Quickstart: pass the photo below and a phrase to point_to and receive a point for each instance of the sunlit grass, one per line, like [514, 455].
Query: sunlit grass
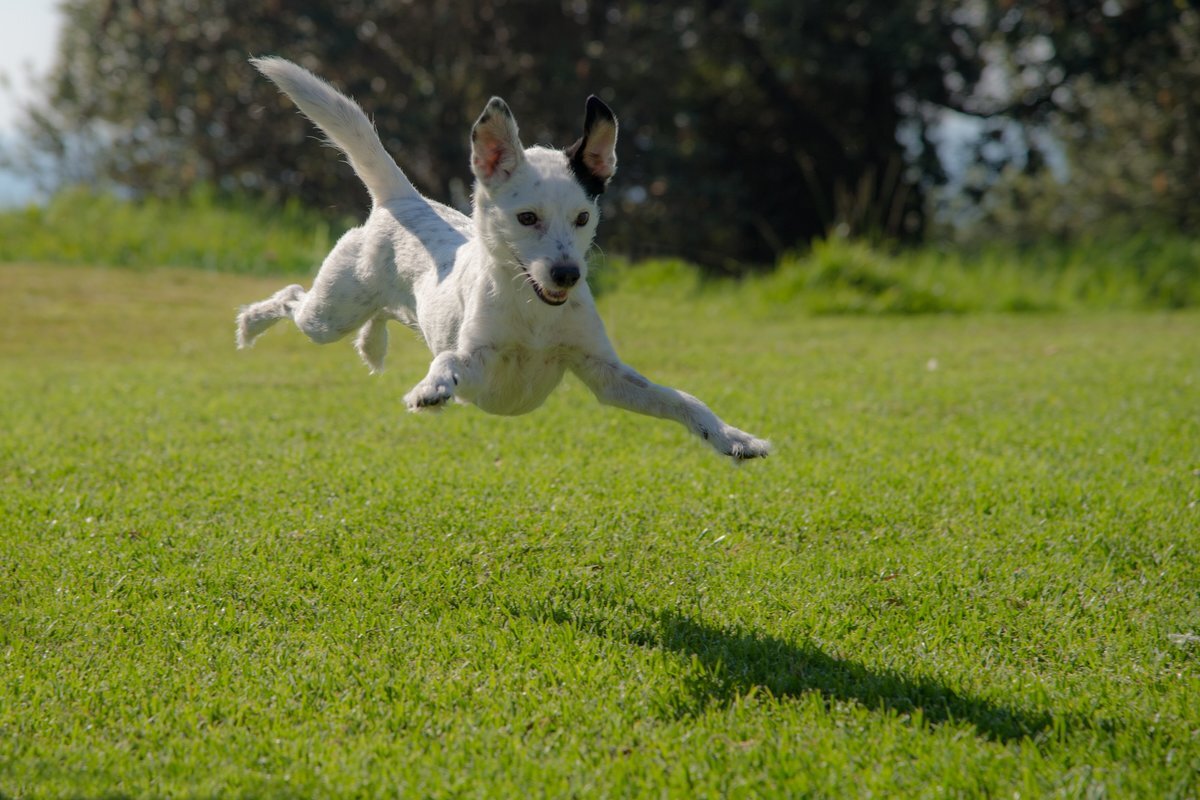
[969, 568]
[200, 230]
[208, 231]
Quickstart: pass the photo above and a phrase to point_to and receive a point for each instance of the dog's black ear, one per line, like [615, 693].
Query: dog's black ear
[496, 149]
[593, 158]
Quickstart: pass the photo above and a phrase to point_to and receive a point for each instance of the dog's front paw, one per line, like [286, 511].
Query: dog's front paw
[429, 395]
[738, 445]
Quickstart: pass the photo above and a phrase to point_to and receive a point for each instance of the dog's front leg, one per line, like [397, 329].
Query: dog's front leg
[618, 384]
[449, 370]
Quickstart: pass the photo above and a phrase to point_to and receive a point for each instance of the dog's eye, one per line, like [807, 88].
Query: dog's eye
[582, 219]
[527, 218]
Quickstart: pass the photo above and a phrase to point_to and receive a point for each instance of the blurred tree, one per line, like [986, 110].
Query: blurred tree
[748, 126]
[770, 120]
[1114, 87]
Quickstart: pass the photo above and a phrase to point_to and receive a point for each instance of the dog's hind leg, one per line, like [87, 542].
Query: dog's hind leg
[372, 342]
[344, 296]
[255, 318]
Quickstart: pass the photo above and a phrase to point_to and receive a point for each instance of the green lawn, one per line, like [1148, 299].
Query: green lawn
[971, 567]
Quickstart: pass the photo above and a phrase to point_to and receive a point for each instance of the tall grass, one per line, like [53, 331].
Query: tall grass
[1111, 272]
[201, 230]
[836, 276]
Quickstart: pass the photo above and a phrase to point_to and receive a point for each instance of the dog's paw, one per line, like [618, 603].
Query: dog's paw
[429, 395]
[739, 445]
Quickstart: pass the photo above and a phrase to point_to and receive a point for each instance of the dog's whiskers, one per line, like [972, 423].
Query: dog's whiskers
[526, 278]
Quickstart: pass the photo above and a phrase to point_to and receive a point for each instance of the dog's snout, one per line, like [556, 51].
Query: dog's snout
[564, 275]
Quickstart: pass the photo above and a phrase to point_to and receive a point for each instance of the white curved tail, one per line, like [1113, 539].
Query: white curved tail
[347, 127]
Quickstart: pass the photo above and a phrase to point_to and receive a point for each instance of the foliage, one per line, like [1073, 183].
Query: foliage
[834, 276]
[198, 230]
[770, 120]
[1056, 50]
[841, 277]
[969, 569]
[774, 122]
[1115, 107]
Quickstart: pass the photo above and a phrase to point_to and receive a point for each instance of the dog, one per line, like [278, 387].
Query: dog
[501, 297]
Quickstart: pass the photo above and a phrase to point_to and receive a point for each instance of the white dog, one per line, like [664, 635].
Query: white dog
[500, 297]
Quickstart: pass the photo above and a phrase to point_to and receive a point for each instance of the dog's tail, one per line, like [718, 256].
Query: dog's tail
[346, 125]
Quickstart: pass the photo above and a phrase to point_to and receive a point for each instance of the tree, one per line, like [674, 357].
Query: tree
[1114, 89]
[747, 126]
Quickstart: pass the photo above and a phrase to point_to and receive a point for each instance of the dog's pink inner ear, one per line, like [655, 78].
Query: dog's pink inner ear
[600, 151]
[495, 150]
[493, 156]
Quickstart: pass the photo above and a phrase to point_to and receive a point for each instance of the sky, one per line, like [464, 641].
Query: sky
[28, 30]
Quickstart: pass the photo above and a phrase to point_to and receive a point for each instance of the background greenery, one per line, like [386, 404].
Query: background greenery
[773, 121]
[833, 276]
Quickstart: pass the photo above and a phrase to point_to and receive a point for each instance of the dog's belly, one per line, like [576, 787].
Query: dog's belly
[518, 380]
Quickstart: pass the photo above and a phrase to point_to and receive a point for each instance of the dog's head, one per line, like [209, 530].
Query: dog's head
[536, 208]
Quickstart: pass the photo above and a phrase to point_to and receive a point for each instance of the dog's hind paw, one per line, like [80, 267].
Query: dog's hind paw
[248, 330]
[428, 396]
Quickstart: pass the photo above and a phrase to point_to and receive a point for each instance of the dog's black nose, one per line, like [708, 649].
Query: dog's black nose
[564, 275]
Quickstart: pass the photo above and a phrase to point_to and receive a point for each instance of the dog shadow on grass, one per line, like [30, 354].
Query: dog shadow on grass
[734, 663]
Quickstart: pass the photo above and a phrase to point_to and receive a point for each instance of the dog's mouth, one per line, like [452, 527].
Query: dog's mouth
[550, 297]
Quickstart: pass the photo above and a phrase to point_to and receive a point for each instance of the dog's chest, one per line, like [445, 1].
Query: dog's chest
[517, 378]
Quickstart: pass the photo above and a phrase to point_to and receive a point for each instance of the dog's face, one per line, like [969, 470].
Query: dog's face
[537, 208]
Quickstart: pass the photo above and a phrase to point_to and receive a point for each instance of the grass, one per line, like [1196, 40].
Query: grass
[1115, 271]
[970, 569]
[201, 230]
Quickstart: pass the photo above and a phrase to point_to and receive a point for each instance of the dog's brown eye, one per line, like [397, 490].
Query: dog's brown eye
[582, 219]
[527, 218]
